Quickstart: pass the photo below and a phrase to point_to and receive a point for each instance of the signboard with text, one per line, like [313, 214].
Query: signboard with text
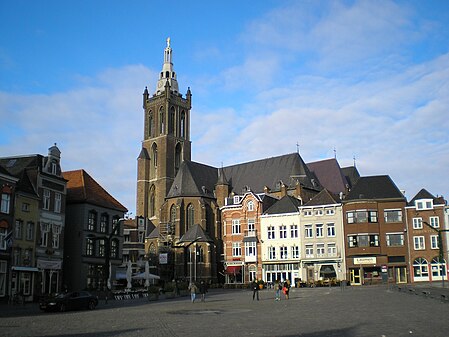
[365, 260]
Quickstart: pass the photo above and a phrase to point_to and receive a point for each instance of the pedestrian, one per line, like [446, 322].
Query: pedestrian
[193, 289]
[286, 289]
[203, 290]
[255, 287]
[277, 289]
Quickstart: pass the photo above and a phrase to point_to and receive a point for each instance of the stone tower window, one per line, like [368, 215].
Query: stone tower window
[190, 215]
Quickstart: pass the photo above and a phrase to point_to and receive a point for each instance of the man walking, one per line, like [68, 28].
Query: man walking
[255, 287]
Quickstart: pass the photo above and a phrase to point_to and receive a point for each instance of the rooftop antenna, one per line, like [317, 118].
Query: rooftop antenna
[354, 159]
[297, 147]
[335, 153]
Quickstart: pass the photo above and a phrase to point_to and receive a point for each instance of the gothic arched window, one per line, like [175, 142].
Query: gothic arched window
[171, 121]
[161, 121]
[190, 215]
[177, 157]
[151, 125]
[182, 125]
[173, 217]
[152, 205]
[154, 150]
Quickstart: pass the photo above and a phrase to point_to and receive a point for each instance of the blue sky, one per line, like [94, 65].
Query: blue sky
[367, 78]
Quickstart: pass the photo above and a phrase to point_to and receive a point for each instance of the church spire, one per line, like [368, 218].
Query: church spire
[167, 74]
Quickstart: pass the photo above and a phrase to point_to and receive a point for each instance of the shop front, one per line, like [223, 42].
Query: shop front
[22, 282]
[282, 272]
[367, 270]
[234, 273]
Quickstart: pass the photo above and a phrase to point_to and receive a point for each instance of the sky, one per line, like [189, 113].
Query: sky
[357, 79]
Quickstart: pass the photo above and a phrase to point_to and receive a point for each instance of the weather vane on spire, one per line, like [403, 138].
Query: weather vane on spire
[168, 41]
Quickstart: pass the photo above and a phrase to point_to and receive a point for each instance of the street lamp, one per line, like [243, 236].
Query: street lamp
[440, 246]
[185, 254]
[107, 249]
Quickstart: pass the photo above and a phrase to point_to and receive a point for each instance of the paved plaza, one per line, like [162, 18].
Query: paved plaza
[355, 311]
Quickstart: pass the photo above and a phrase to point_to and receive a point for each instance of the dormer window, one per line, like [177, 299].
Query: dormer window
[250, 206]
[236, 199]
[424, 204]
[54, 167]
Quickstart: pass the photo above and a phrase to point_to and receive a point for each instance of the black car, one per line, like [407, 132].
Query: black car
[69, 301]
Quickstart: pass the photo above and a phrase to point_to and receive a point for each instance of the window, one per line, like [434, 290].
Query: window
[191, 216]
[330, 230]
[309, 250]
[320, 249]
[330, 211]
[46, 201]
[104, 219]
[438, 267]
[5, 203]
[154, 151]
[424, 204]
[361, 216]
[2, 277]
[294, 231]
[92, 221]
[250, 249]
[272, 253]
[283, 252]
[420, 267]
[395, 239]
[3, 233]
[141, 237]
[18, 230]
[58, 202]
[101, 248]
[282, 232]
[236, 226]
[319, 230]
[251, 226]
[236, 249]
[45, 229]
[236, 199]
[56, 230]
[114, 248]
[89, 247]
[54, 167]
[418, 242]
[17, 252]
[417, 223]
[25, 207]
[434, 241]
[30, 231]
[295, 252]
[309, 231]
[331, 249]
[363, 240]
[434, 221]
[271, 234]
[393, 215]
[319, 212]
[308, 212]
[250, 206]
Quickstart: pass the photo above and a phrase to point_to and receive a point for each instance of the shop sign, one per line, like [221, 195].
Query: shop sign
[365, 260]
[384, 268]
[163, 258]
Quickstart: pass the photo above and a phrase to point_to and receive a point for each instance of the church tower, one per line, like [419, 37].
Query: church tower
[166, 140]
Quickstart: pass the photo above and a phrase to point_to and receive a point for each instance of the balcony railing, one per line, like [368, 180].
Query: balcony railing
[250, 233]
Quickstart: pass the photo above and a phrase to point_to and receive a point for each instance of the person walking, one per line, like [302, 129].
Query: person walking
[203, 290]
[255, 287]
[286, 289]
[193, 289]
[277, 289]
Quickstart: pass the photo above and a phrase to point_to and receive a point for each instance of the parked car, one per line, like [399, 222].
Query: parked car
[69, 301]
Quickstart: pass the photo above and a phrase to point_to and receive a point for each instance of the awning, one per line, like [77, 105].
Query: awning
[327, 270]
[32, 269]
[250, 239]
[233, 269]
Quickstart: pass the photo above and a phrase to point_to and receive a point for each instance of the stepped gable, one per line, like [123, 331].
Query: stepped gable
[330, 175]
[82, 188]
[194, 179]
[351, 174]
[424, 194]
[289, 169]
[195, 233]
[286, 204]
[375, 187]
[323, 198]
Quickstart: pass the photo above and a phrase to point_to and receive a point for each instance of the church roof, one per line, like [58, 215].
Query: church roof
[351, 174]
[82, 188]
[194, 180]
[329, 174]
[289, 169]
[195, 233]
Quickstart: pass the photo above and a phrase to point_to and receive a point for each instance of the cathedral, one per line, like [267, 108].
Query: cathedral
[181, 201]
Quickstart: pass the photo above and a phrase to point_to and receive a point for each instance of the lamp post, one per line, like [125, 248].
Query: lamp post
[107, 249]
[440, 247]
[185, 254]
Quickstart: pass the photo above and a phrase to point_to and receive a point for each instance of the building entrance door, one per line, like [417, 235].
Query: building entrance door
[355, 276]
[401, 275]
